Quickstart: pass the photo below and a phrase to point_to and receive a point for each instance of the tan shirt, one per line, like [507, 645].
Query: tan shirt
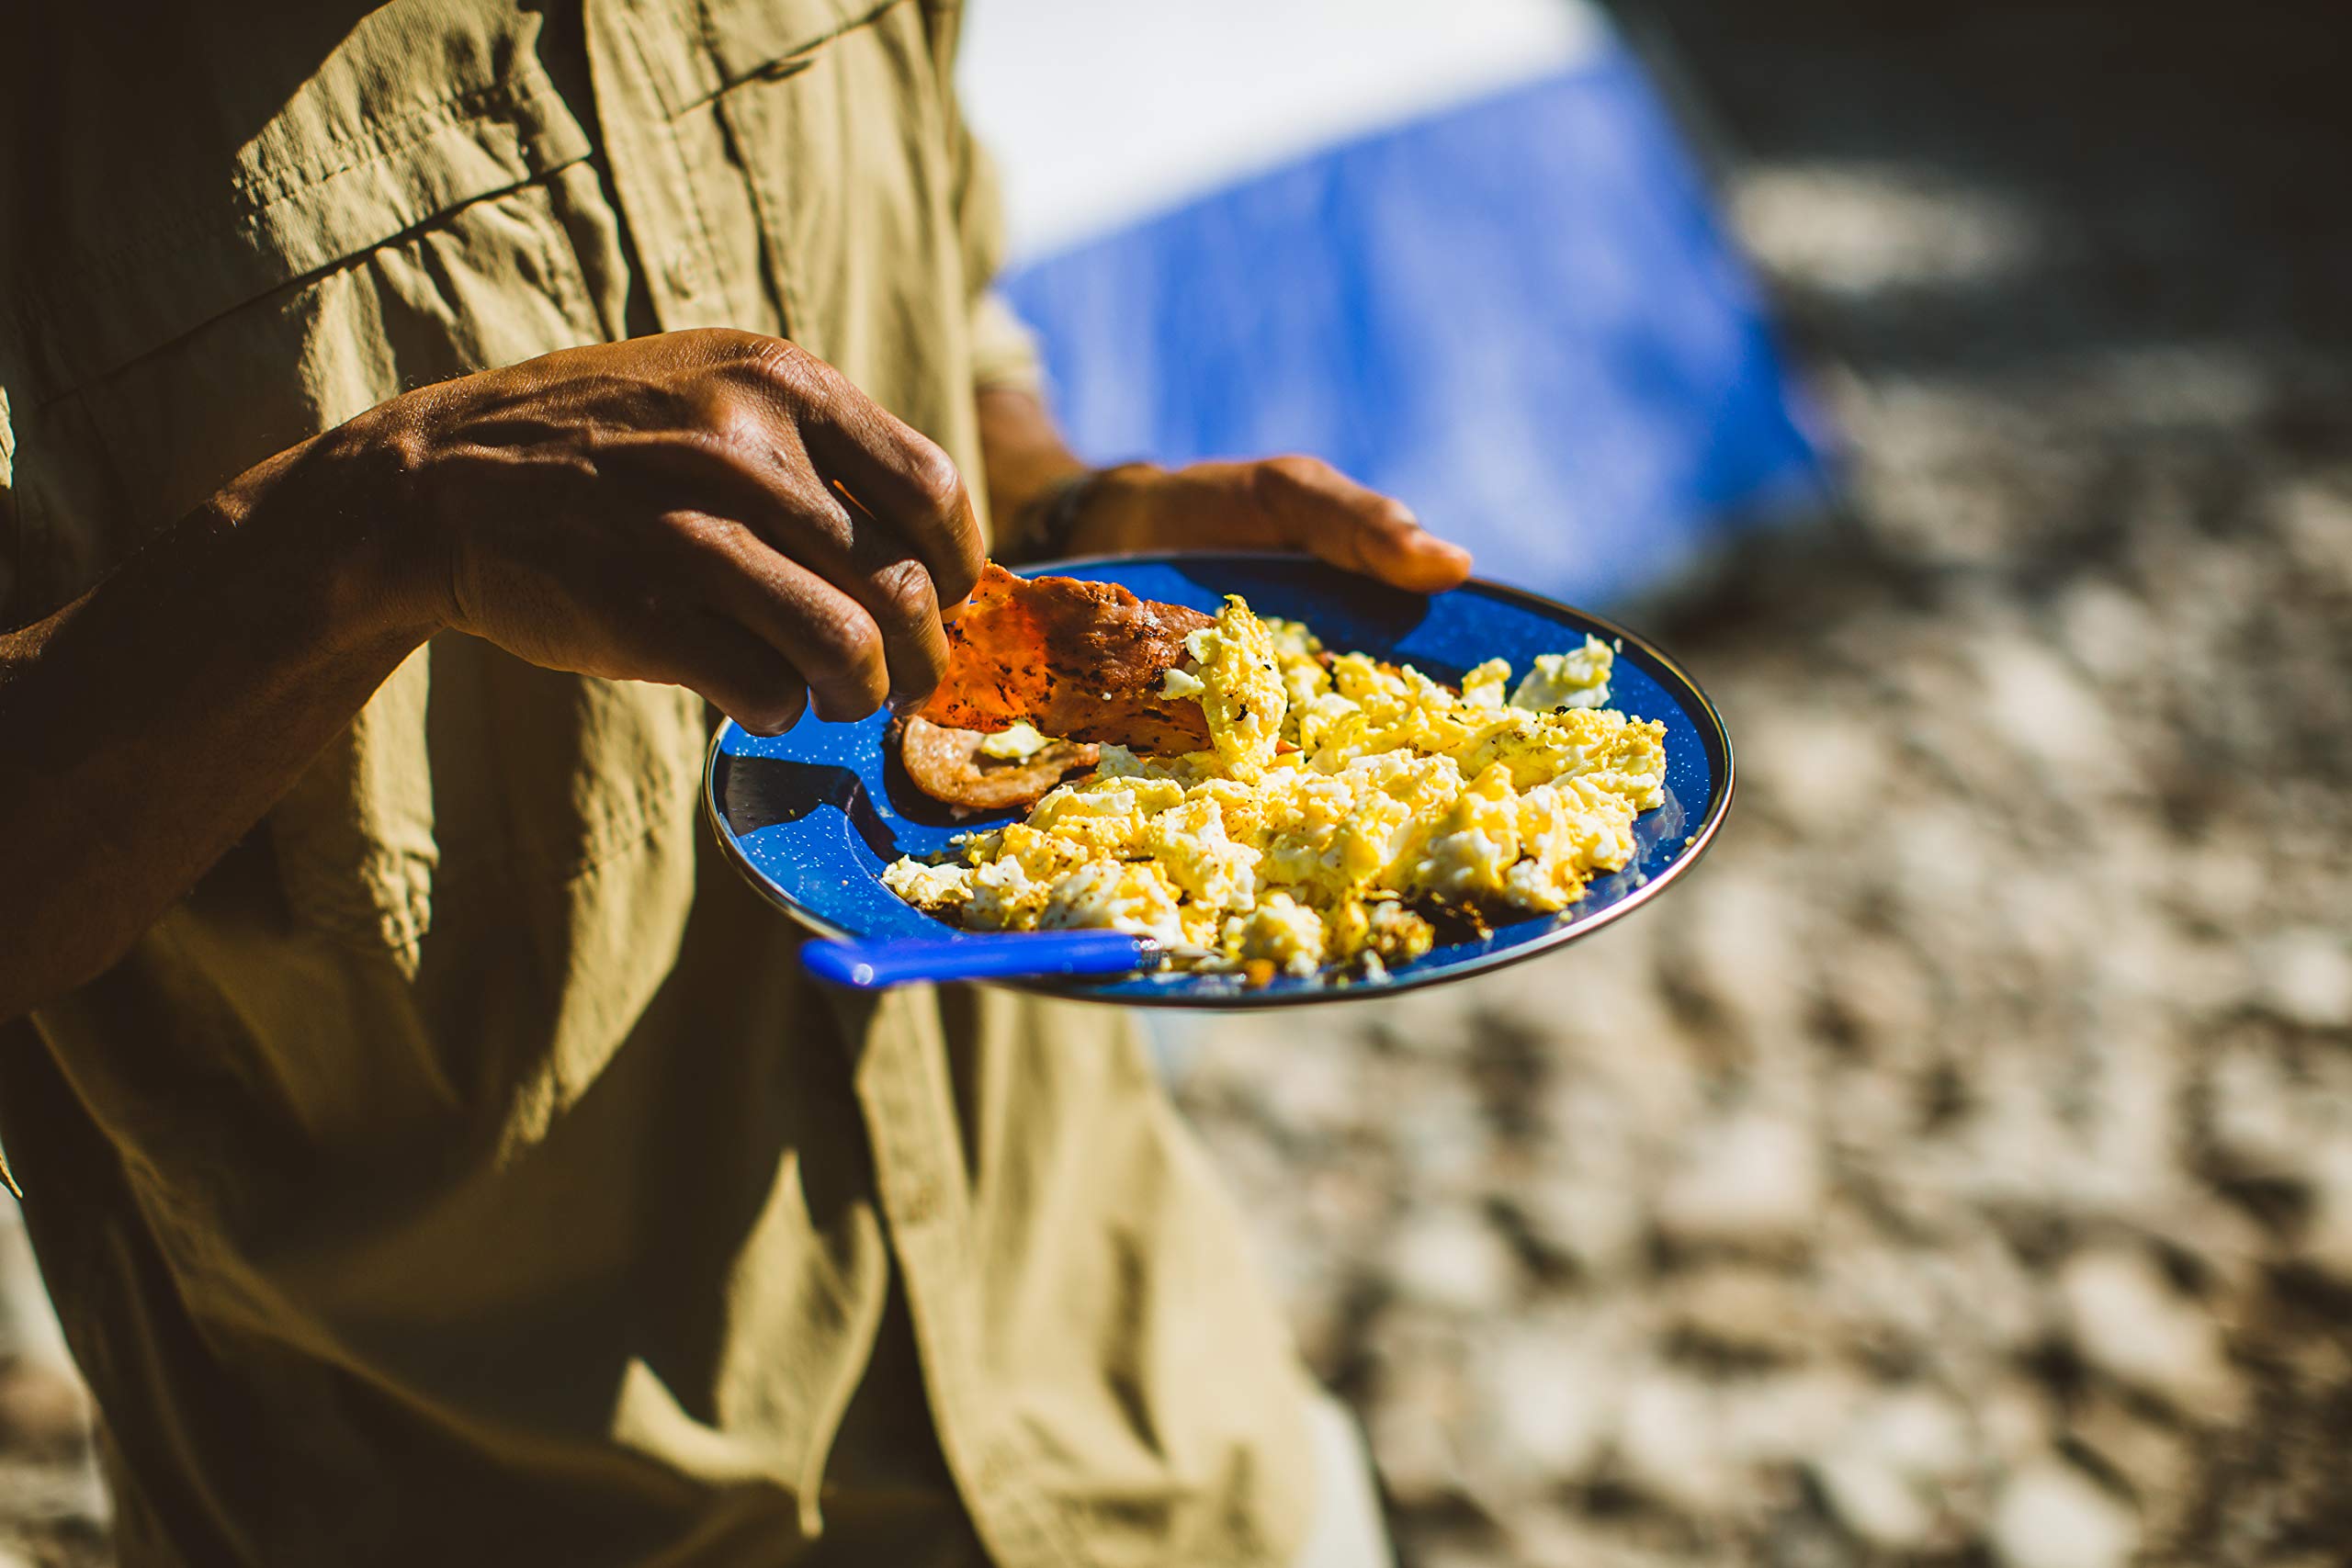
[463, 1172]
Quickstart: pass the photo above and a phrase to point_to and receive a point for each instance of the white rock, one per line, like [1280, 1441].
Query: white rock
[2327, 1239]
[1448, 1256]
[2106, 629]
[1425, 1025]
[2038, 705]
[2159, 1461]
[2230, 1247]
[1541, 1536]
[1855, 228]
[1552, 1534]
[2154, 385]
[2253, 1112]
[2225, 882]
[1668, 1443]
[1939, 865]
[2305, 976]
[1881, 990]
[1967, 1296]
[1584, 1217]
[1817, 765]
[1583, 1198]
[2016, 1422]
[1750, 1177]
[1922, 1433]
[1310, 1088]
[1442, 1136]
[1415, 1413]
[2050, 1516]
[1745, 951]
[1874, 1500]
[1548, 1392]
[1784, 1418]
[2127, 1320]
[1895, 1462]
[1747, 1310]
[2318, 526]
[2131, 1086]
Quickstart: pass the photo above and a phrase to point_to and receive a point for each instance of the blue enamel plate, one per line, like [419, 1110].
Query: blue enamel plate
[814, 815]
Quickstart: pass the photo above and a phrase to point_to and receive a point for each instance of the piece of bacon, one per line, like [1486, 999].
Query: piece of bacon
[948, 766]
[1083, 661]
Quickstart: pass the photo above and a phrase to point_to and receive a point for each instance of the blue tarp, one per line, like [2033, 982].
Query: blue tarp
[1522, 315]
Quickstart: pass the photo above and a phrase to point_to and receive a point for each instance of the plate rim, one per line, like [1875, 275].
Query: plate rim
[1699, 841]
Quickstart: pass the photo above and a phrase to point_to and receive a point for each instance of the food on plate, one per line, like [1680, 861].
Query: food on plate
[977, 772]
[1336, 811]
[1079, 661]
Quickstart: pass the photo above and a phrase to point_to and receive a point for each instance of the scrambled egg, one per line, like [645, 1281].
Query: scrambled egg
[1340, 798]
[1015, 743]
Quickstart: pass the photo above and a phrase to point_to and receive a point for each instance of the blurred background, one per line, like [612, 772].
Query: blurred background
[1958, 1168]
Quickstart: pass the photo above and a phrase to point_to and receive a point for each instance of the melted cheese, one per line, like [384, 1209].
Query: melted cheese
[1013, 743]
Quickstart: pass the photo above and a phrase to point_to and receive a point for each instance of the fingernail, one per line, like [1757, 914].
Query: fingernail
[902, 705]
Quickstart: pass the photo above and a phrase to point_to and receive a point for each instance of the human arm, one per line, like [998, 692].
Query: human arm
[1289, 503]
[669, 508]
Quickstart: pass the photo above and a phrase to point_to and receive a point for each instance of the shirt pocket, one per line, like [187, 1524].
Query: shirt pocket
[207, 239]
[767, 40]
[498, 280]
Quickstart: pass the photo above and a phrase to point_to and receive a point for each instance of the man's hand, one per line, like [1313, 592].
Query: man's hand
[1284, 503]
[1301, 503]
[712, 509]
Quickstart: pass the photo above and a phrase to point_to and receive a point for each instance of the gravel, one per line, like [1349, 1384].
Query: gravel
[1958, 1168]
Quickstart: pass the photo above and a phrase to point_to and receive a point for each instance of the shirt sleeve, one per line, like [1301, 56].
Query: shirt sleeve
[1005, 351]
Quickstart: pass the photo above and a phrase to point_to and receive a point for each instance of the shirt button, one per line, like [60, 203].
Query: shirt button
[685, 274]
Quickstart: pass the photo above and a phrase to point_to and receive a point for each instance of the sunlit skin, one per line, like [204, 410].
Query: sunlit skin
[1289, 503]
[715, 510]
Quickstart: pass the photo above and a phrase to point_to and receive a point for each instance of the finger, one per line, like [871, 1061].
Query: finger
[757, 473]
[825, 633]
[899, 591]
[891, 470]
[1315, 507]
[740, 674]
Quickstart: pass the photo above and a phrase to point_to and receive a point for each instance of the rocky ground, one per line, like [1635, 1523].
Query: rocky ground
[1957, 1169]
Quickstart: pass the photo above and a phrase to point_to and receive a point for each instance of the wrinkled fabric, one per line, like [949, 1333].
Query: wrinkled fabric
[464, 1172]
